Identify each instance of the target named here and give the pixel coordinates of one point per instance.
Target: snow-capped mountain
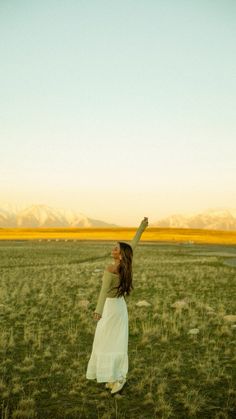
(45, 216)
(212, 219)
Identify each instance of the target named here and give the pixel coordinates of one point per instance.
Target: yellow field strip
(151, 234)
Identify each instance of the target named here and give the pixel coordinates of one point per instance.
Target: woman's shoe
(109, 385)
(118, 386)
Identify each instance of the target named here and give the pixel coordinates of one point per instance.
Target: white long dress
(109, 358)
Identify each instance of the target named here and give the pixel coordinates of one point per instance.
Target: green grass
(48, 292)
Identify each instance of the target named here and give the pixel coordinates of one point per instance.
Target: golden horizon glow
(174, 235)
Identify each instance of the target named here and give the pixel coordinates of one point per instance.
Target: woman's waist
(115, 298)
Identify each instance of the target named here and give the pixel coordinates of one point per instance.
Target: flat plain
(152, 234)
(182, 354)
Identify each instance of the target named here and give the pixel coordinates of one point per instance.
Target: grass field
(182, 354)
(150, 235)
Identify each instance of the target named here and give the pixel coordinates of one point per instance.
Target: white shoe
(109, 385)
(118, 385)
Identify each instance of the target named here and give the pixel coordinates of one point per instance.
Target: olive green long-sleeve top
(111, 280)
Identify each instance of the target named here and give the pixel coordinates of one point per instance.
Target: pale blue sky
(118, 109)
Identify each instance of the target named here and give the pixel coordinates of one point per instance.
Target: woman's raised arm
(139, 232)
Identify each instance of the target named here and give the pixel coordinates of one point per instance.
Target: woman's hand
(145, 222)
(96, 316)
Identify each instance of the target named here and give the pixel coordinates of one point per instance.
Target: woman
(109, 358)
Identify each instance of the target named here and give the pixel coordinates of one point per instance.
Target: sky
(118, 109)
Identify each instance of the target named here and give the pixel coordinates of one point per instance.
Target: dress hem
(107, 379)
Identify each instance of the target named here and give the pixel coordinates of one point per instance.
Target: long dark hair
(125, 270)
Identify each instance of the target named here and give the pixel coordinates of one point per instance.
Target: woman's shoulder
(112, 269)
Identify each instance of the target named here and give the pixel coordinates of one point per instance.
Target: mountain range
(40, 215)
(212, 219)
(44, 216)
